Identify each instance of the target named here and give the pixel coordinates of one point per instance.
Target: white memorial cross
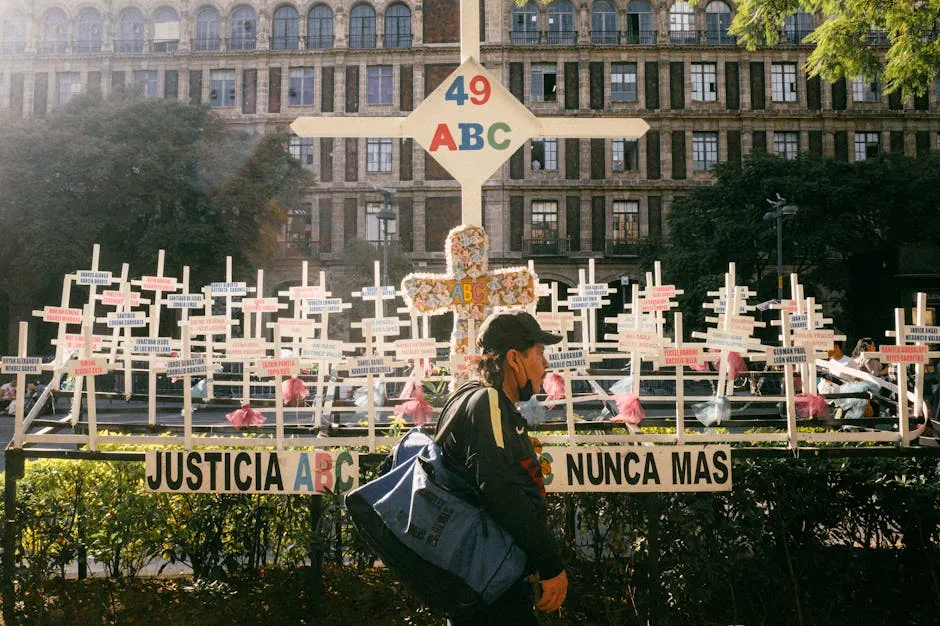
(159, 284)
(185, 367)
(641, 344)
(21, 365)
(734, 332)
(902, 354)
(470, 124)
(87, 365)
(587, 298)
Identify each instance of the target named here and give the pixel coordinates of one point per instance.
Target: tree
(843, 242)
(911, 28)
(136, 176)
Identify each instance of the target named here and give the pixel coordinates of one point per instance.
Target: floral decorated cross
(468, 288)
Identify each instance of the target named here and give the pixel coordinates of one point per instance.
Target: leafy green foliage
(911, 63)
(843, 242)
(137, 176)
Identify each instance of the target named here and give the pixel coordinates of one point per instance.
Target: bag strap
(459, 403)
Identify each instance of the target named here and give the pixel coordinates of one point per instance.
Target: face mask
(533, 411)
(525, 391)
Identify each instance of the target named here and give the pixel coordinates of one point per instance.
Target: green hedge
(796, 541)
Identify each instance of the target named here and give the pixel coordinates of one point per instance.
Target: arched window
(525, 24)
(398, 26)
(89, 32)
(14, 34)
(320, 27)
(797, 26)
(717, 21)
(682, 23)
(604, 23)
(362, 26)
(55, 32)
(640, 23)
(131, 31)
(561, 23)
(286, 29)
(208, 30)
(166, 30)
(243, 29)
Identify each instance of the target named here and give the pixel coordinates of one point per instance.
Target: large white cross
(470, 124)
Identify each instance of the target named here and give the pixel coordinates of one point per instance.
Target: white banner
(256, 471)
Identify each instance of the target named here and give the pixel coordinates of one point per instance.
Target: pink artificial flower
(810, 405)
(245, 417)
(554, 387)
(630, 411)
(293, 391)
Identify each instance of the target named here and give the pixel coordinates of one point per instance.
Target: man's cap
(509, 330)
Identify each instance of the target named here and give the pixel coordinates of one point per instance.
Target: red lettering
(479, 292)
(443, 137)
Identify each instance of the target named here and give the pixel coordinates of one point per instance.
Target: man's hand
(554, 591)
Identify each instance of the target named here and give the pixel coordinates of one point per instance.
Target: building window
(682, 23)
(301, 148)
(89, 32)
(544, 154)
(544, 221)
(717, 21)
(525, 27)
(867, 146)
(561, 23)
(604, 23)
(55, 32)
(544, 77)
(208, 32)
(786, 144)
(166, 30)
(623, 82)
(625, 222)
(146, 82)
(783, 82)
(379, 84)
(320, 27)
(398, 26)
(624, 155)
(362, 27)
(704, 82)
(286, 24)
(640, 23)
(704, 151)
(865, 89)
(223, 88)
(379, 155)
(797, 26)
(130, 31)
(300, 90)
(14, 34)
(68, 84)
(375, 227)
(243, 29)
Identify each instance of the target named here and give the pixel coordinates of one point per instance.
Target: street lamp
(781, 208)
(384, 216)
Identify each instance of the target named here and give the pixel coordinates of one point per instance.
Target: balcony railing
(544, 247)
(298, 250)
(13, 47)
(524, 37)
(86, 46)
(878, 38)
(397, 40)
(794, 36)
(207, 44)
(320, 42)
(622, 247)
(561, 37)
(130, 46)
(719, 38)
(248, 42)
(362, 40)
(166, 45)
(286, 42)
(605, 37)
(53, 47)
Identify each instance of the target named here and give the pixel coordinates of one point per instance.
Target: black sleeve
(500, 480)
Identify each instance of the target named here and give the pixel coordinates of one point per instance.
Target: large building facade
(261, 64)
